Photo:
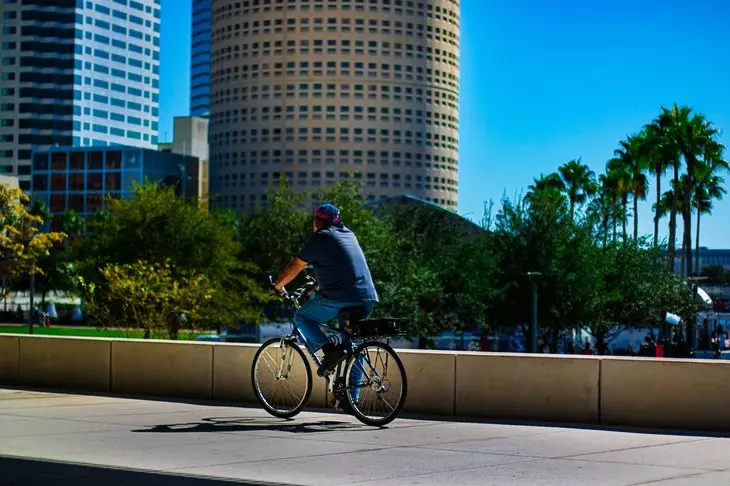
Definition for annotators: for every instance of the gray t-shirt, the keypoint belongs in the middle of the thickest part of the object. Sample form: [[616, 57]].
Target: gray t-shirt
[[339, 265]]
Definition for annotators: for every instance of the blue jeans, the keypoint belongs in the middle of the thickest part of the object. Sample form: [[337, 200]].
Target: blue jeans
[[319, 310]]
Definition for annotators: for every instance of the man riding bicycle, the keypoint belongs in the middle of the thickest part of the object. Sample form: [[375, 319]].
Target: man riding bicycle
[[344, 282]]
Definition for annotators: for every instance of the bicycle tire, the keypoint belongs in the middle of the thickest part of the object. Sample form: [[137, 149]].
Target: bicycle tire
[[308, 380], [354, 407]]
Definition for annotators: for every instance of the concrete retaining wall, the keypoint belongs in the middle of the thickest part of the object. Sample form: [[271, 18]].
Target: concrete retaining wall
[[666, 393], [685, 394], [527, 387]]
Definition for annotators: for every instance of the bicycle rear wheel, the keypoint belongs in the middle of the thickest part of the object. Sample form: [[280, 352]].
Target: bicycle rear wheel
[[281, 378], [376, 386]]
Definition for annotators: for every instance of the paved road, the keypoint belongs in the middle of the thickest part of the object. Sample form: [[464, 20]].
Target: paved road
[[79, 440]]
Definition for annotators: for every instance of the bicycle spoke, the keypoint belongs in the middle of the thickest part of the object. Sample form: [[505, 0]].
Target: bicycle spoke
[[281, 378], [377, 396]]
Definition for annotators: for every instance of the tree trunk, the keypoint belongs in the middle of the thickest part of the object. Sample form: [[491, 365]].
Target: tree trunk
[[605, 225], [613, 221], [657, 209], [682, 263], [636, 218], [697, 244], [673, 218], [624, 203], [688, 220]]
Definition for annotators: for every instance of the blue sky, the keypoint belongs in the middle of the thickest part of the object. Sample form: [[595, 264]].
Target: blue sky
[[546, 81]]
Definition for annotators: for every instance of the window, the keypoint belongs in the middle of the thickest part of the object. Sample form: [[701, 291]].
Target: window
[[76, 201], [58, 162], [58, 181], [93, 201], [58, 201], [114, 160], [95, 160], [40, 182], [113, 181], [76, 181], [76, 161], [93, 180]]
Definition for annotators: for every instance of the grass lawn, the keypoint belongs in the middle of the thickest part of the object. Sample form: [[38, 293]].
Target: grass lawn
[[87, 332]]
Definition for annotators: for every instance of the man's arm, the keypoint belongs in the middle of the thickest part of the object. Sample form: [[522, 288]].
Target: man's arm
[[289, 273]]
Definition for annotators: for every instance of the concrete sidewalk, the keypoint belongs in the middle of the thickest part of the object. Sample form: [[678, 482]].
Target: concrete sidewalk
[[81, 440]]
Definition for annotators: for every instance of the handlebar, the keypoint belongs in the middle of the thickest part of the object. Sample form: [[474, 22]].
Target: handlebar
[[295, 295]]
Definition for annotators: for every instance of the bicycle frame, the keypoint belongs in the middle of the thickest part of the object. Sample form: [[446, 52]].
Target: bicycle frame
[[296, 337]]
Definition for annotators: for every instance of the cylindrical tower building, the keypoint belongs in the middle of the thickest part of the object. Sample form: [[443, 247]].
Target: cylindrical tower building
[[319, 90]]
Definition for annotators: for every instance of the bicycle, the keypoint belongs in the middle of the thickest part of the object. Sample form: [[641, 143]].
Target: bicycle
[[368, 347]]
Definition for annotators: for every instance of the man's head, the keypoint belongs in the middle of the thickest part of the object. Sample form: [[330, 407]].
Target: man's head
[[326, 215]]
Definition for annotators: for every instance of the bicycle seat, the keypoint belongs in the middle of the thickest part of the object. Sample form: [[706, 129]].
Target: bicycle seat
[[353, 314]]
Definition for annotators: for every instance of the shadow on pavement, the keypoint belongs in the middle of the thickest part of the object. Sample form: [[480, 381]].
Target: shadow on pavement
[[628, 429], [252, 424], [24, 472]]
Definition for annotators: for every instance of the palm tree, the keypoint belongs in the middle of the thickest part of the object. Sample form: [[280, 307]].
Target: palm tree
[[550, 184], [661, 154], [598, 212], [708, 187], [632, 162], [620, 172], [696, 140], [668, 203], [664, 135], [605, 207], [579, 182]]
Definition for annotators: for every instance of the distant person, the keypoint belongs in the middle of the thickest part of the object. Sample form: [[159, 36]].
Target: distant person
[[484, 342], [630, 351], [587, 349]]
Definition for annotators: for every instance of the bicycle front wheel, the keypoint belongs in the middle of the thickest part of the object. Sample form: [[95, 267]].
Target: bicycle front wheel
[[281, 378], [376, 383]]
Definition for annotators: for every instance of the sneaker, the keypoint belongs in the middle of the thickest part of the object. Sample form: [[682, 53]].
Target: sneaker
[[332, 355]]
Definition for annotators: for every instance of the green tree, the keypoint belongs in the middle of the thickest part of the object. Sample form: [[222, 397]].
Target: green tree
[[22, 243], [604, 211], [578, 181], [57, 267], [634, 290], [148, 296], [550, 185], [694, 139], [540, 237], [708, 188], [661, 155], [427, 267], [631, 164], [156, 227], [618, 173], [270, 236], [664, 135]]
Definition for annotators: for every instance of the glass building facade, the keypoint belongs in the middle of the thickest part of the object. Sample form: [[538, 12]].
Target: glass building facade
[[81, 178], [200, 58], [77, 72]]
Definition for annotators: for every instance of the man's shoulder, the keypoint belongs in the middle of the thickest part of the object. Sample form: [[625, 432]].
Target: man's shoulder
[[335, 232]]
